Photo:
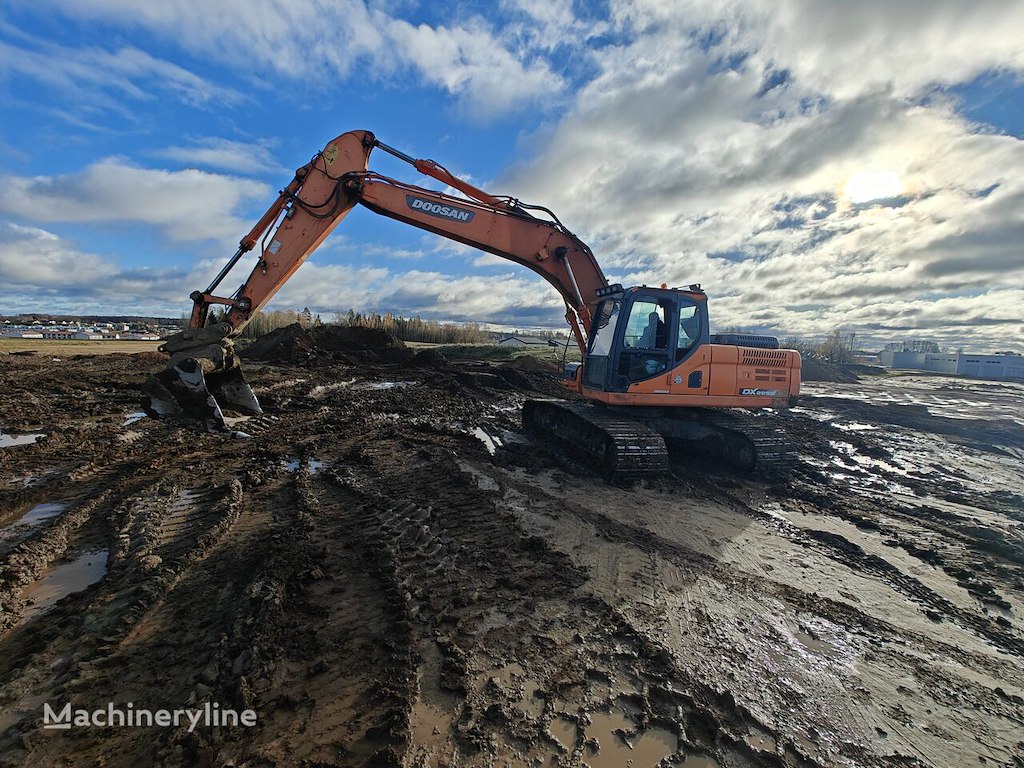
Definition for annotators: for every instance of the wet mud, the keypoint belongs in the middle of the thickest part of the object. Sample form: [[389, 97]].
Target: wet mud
[[390, 573]]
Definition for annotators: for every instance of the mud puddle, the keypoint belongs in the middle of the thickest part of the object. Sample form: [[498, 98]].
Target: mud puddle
[[39, 514], [9, 441], [132, 418], [384, 385], [491, 442], [312, 466], [620, 745], [62, 580]]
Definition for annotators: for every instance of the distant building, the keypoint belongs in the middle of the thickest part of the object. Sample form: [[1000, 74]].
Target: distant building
[[1001, 366], [865, 358], [991, 366]]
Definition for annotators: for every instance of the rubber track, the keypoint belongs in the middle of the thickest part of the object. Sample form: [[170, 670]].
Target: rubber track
[[620, 448]]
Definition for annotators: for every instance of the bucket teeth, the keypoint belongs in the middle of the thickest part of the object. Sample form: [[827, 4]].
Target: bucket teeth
[[232, 392], [197, 389]]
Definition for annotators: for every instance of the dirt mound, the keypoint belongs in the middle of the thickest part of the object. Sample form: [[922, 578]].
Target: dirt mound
[[149, 358], [531, 364], [284, 345], [815, 369], [429, 358], [346, 338], [327, 344]]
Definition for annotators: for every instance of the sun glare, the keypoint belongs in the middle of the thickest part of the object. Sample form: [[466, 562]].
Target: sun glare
[[873, 185]]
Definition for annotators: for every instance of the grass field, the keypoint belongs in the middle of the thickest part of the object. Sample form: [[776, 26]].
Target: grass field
[[65, 348]]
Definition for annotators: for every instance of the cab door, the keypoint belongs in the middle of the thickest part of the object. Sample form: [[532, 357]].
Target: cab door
[[691, 353]]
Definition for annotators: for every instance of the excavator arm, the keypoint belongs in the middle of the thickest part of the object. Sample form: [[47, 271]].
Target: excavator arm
[[204, 371], [325, 190]]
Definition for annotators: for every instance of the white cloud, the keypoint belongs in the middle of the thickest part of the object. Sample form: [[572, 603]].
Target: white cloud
[[846, 49], [188, 205], [213, 152], [106, 76], [677, 168], [317, 42], [32, 257], [710, 142], [469, 62], [516, 296], [41, 271]]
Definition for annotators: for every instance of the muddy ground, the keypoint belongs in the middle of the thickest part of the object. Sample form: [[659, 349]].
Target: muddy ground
[[390, 574]]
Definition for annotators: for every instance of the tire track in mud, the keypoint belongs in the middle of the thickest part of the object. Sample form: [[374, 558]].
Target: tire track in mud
[[102, 647], [877, 638], [160, 528], [336, 691], [940, 526], [938, 607], [946, 529], [940, 538], [459, 562], [85, 517], [994, 629]]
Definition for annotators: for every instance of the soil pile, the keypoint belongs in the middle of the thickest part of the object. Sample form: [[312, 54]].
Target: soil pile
[[532, 364], [284, 345], [816, 369], [429, 358], [326, 344]]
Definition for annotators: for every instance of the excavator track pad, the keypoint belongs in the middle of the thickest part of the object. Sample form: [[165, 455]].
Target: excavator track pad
[[620, 448], [627, 445]]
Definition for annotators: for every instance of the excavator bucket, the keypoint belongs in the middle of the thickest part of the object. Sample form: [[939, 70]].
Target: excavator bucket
[[203, 379]]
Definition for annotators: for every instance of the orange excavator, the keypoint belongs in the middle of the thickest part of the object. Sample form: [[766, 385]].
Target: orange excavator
[[651, 371]]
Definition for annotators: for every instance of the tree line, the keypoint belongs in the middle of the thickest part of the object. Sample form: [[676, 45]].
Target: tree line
[[415, 328], [404, 328]]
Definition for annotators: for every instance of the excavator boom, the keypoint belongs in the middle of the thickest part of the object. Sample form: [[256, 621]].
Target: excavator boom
[[204, 374]]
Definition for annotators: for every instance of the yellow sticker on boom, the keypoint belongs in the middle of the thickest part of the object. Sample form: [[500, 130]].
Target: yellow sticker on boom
[[330, 153]]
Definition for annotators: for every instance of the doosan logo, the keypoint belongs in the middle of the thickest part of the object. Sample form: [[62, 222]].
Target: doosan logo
[[437, 209]]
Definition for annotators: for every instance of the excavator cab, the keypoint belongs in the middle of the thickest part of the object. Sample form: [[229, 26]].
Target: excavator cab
[[642, 333]]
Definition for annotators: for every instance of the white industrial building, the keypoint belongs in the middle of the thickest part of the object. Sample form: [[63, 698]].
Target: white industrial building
[[1004, 366]]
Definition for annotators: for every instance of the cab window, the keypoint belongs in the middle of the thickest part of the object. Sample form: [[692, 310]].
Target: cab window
[[646, 328], [604, 327], [645, 340], [689, 330]]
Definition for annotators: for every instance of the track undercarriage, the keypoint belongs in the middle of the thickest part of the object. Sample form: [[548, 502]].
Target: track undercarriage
[[635, 444]]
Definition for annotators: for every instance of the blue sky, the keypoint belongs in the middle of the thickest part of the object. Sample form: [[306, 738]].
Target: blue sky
[[814, 165]]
